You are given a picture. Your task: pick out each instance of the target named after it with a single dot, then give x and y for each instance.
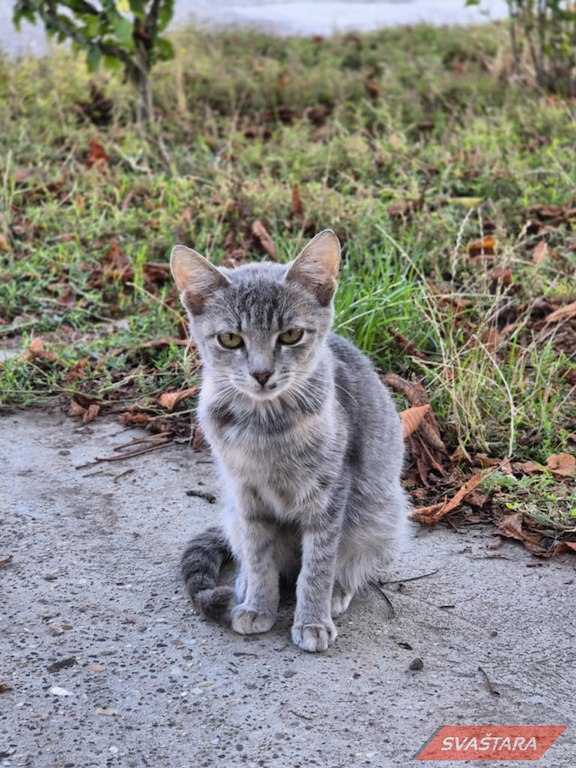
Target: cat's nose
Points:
(261, 376)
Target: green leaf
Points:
(123, 31)
(93, 58)
(165, 49)
(110, 62)
(137, 8)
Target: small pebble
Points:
(57, 691)
(416, 663)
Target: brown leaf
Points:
(4, 244)
(412, 390)
(5, 688)
(97, 155)
(36, 351)
(259, 232)
(502, 275)
(75, 409)
(511, 527)
(405, 345)
(297, 207)
(562, 465)
(171, 400)
(436, 512)
(528, 467)
(134, 419)
(562, 313)
(91, 413)
(4, 561)
(540, 253)
(404, 208)
(486, 246)
(411, 418)
(565, 546)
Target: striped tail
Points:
(200, 567)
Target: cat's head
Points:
(260, 327)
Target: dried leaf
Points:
(540, 253)
(75, 409)
(259, 231)
(91, 413)
(511, 527)
(4, 244)
(97, 155)
(5, 688)
(297, 207)
(562, 465)
(412, 418)
(562, 313)
(171, 400)
(36, 351)
(528, 467)
(565, 546)
(4, 561)
(486, 246)
(436, 512)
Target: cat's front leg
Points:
(313, 628)
(259, 579)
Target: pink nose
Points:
(262, 376)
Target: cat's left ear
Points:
(317, 266)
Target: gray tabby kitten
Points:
(307, 439)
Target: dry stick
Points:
(385, 596)
(131, 454)
(148, 439)
(489, 683)
(410, 578)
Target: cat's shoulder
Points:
(346, 353)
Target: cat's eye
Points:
(230, 340)
(293, 336)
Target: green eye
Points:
(292, 336)
(230, 340)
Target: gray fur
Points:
(311, 459)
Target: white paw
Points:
(314, 638)
(248, 622)
(340, 601)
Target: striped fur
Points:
(307, 439)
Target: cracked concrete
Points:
(104, 663)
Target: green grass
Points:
(424, 120)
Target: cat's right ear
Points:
(195, 277)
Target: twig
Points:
(210, 498)
(304, 717)
(410, 578)
(385, 596)
(489, 683)
(128, 455)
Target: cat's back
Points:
(372, 419)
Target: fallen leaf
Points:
(502, 275)
(75, 409)
(62, 664)
(436, 512)
(6, 560)
(97, 155)
(411, 418)
(562, 465)
(91, 413)
(259, 232)
(297, 207)
(565, 546)
(528, 467)
(5, 688)
(562, 313)
(171, 400)
(540, 253)
(4, 244)
(510, 526)
(36, 351)
(486, 246)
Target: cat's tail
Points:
(200, 567)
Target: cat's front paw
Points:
(314, 638)
(246, 621)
